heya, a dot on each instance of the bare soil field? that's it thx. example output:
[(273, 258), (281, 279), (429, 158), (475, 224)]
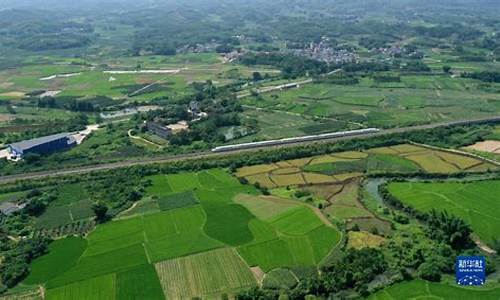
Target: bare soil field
[(486, 146)]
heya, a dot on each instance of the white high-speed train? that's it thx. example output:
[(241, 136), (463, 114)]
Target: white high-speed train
[(318, 137)]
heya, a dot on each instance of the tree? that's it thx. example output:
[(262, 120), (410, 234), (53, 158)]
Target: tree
[(447, 69), (449, 229), (257, 76), (224, 48), (255, 294), (35, 207), (101, 211), (135, 196), (429, 271)]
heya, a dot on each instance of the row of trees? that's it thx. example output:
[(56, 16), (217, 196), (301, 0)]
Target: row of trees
[(486, 76), (95, 104), (291, 66)]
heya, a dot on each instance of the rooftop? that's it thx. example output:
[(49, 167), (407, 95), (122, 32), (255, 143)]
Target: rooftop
[(28, 144)]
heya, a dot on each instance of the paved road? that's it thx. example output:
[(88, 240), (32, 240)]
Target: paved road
[(208, 154)]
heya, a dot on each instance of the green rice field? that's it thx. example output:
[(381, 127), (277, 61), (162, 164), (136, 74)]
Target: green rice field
[(153, 255), (418, 289), (475, 202)]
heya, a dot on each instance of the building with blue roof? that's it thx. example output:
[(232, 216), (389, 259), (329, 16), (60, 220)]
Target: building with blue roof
[(43, 145)]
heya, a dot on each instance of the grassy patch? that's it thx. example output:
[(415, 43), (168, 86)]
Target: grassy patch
[(70, 193), (54, 216)]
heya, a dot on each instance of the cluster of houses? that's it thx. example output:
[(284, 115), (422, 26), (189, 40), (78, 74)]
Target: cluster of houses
[(198, 48), (157, 128), (399, 51), (322, 51), (64, 141), (232, 56)]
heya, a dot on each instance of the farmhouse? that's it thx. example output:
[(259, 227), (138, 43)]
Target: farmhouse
[(178, 127), (43, 145), (158, 129)]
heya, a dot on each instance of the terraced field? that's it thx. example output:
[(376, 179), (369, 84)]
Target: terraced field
[(201, 239), (340, 167), (474, 202)]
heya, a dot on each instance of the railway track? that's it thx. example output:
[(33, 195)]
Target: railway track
[(209, 154)]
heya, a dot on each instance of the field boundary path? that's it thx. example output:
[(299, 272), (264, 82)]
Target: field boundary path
[(209, 154), (483, 246), (130, 135)]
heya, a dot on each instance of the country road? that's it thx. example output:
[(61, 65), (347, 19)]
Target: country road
[(297, 84), (269, 89), (208, 154)]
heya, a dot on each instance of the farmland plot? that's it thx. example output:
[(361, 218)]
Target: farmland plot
[(94, 288), (63, 254), (475, 202), (208, 274), (174, 253)]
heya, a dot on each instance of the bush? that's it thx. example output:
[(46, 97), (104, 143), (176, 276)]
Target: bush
[(101, 211), (429, 271)]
